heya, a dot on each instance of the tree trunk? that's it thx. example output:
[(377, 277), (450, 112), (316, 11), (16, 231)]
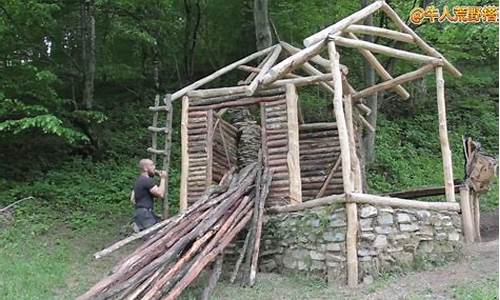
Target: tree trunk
[(87, 23), (262, 26), (192, 11), (372, 101)]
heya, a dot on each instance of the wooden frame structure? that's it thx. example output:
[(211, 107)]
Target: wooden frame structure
[(298, 153)]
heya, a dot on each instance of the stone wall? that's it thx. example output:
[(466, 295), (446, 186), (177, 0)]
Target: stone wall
[(389, 239)]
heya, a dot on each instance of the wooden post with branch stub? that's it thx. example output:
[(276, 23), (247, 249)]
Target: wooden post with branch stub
[(184, 154), (293, 158), (443, 137), (351, 208)]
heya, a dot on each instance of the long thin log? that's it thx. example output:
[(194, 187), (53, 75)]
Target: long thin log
[(419, 41), (344, 23), (184, 154), (443, 137), (381, 71), (402, 203), (325, 63), (213, 278), (15, 203), (256, 70), (351, 210), (328, 200), (269, 63), (293, 157), (311, 70), (267, 179), (381, 32), (402, 54), (219, 72), (291, 63), (199, 265), (240, 102), (241, 256), (419, 73), (328, 178)]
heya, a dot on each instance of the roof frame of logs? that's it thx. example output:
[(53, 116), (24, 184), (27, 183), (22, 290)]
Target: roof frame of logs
[(274, 80)]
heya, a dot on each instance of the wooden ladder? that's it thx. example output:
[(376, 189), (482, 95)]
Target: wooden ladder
[(166, 129)]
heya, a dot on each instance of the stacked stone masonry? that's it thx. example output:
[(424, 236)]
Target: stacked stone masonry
[(389, 239)]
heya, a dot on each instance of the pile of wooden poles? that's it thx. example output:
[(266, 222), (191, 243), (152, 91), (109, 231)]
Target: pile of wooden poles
[(182, 246)]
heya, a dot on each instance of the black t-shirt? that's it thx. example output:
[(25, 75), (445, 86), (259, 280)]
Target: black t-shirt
[(143, 197)]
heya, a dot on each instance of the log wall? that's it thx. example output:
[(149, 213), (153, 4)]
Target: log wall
[(319, 151), (275, 144)]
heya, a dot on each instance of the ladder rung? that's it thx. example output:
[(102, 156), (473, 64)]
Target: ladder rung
[(156, 151), (158, 108), (157, 129)]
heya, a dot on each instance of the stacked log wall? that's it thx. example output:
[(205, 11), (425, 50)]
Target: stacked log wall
[(319, 151)]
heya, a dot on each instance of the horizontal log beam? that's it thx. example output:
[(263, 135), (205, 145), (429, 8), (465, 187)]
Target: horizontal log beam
[(381, 32), (402, 54), (401, 203), (419, 73), (220, 72), (381, 71), (306, 205)]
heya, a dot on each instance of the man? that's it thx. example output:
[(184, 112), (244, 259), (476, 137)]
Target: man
[(145, 190)]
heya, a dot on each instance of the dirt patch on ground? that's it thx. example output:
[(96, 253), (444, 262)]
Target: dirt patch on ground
[(489, 225), (480, 263)]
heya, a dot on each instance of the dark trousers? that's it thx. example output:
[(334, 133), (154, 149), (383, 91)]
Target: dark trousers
[(145, 218)]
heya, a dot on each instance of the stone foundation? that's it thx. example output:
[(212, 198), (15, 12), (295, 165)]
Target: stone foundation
[(389, 239)]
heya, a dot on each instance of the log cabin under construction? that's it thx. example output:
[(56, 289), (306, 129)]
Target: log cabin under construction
[(311, 161)]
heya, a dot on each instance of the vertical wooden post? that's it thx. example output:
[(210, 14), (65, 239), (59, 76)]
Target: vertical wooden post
[(184, 154), (209, 146), (477, 216), (293, 159), (355, 163), (443, 137), (351, 208), (467, 223), (166, 155), (263, 134), (154, 134)]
